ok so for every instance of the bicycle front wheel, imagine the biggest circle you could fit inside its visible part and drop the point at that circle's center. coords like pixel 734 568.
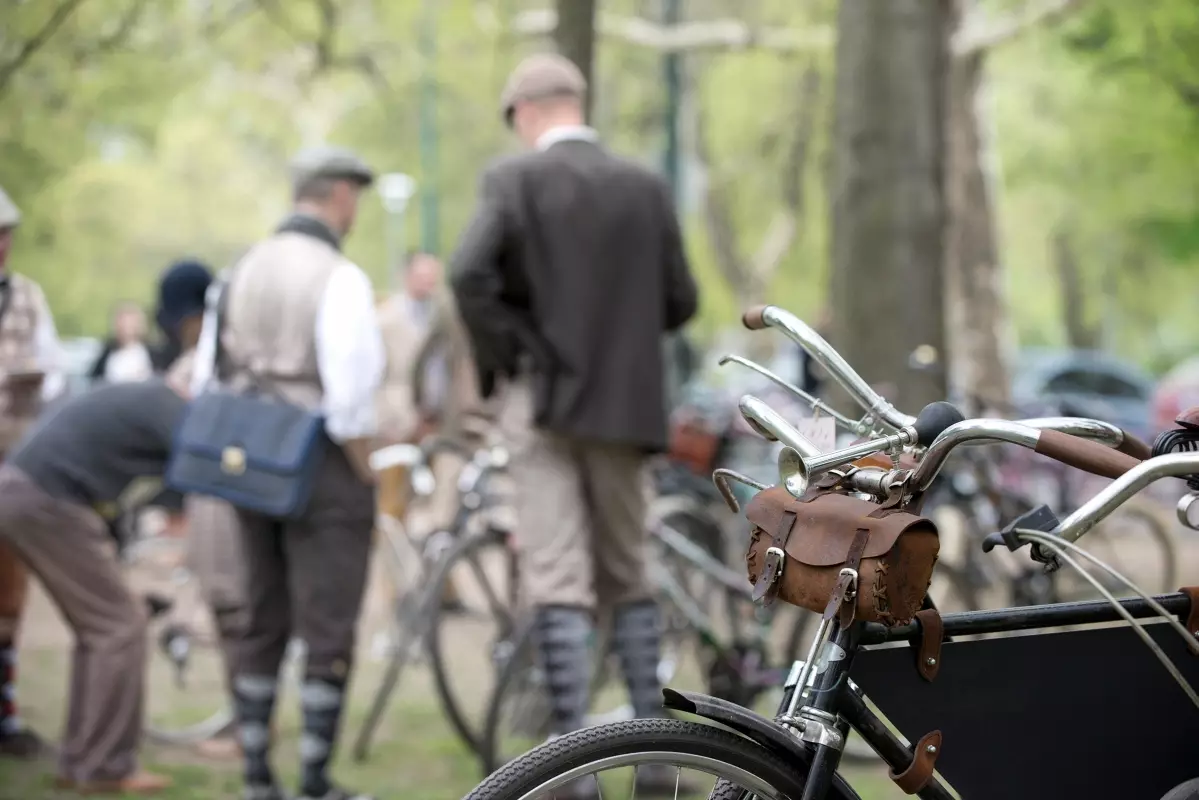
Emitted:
pixel 610 758
pixel 467 650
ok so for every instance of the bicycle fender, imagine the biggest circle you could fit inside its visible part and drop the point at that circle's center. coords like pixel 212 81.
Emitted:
pixel 765 732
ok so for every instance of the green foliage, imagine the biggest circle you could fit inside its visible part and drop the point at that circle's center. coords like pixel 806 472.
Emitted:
pixel 140 132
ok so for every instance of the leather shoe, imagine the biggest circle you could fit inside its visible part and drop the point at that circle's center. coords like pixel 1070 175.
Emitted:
pixel 139 782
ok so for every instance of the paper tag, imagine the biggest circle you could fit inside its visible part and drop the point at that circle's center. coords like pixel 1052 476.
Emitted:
pixel 820 431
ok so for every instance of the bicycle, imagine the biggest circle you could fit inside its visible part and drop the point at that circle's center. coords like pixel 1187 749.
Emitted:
pixel 474 539
pixel 687 543
pixel 989 701
pixel 974 490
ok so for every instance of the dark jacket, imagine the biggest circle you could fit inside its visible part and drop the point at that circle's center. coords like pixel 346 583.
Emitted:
pixel 574 263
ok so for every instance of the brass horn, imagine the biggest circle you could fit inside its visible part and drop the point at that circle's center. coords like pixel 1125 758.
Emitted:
pixel 791 464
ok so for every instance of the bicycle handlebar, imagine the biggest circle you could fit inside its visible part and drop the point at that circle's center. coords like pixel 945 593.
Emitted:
pixel 768 316
pixel 823 354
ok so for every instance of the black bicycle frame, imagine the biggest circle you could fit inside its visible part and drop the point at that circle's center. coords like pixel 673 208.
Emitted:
pixel 838 702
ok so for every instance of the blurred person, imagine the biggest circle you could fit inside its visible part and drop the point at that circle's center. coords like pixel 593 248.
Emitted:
pixel 299 315
pixel 405 320
pixel 81 457
pixel 213 545
pixel 30 376
pixel 567 278
pixel 125 356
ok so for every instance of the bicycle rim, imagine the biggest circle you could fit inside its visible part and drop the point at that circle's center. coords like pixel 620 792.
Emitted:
pixel 498 645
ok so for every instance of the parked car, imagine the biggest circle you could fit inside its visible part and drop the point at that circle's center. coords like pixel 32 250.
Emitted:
pixel 1085 383
pixel 1176 392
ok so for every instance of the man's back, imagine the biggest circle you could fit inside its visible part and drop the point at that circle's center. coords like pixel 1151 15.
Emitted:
pixel 597 263
pixel 90 448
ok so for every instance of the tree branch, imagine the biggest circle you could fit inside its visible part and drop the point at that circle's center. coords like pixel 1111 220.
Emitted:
pixel 117 38
pixel 62 12
pixel 718 34
pixel 977 34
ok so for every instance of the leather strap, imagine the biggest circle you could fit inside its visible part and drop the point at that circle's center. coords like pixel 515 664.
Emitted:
pixel 772 568
pixel 1192 620
pixel 928 653
pixel 845 607
pixel 924 761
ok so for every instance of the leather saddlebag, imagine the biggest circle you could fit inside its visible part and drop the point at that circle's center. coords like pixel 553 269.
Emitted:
pixel 799 547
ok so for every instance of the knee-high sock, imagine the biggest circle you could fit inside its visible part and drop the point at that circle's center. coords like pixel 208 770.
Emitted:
pixel 563 636
pixel 254 702
pixel 637 639
pixel 321 700
pixel 10 722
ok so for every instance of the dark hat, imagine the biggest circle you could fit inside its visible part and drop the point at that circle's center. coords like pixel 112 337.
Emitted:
pixel 181 293
pixel 10 215
pixel 540 76
pixel 328 161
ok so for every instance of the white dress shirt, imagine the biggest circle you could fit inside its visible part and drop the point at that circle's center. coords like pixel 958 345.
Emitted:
pixel 349 352
pixel 48 350
pixel 567 133
pixel 128 364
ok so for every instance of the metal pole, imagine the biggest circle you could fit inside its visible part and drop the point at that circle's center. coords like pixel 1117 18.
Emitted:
pixel 395 189
pixel 672 75
pixel 430 197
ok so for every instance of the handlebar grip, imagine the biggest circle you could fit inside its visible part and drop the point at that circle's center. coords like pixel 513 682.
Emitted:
pixel 754 318
pixel 1084 454
pixel 1134 447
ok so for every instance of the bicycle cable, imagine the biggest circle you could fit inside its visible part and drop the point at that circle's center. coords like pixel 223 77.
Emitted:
pixel 1060 546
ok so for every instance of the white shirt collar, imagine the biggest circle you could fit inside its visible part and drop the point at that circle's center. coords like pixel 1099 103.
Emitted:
pixel 566 133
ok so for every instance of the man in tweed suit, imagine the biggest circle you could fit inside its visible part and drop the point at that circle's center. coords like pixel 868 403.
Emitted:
pixel 30 374
pixel 567 278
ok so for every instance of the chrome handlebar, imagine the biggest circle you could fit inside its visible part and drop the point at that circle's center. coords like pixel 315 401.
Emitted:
pixel 875 405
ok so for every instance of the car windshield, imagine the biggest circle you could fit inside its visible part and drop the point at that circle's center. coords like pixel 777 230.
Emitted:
pixel 1094 382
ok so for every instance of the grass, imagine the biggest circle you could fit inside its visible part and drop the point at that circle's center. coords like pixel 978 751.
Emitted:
pixel 415 755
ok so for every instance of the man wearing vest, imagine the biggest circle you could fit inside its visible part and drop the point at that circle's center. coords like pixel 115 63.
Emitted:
pixel 300 317
pixel 30 374
pixel 567 278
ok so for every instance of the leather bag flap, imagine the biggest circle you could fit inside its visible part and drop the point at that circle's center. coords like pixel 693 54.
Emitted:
pixel 825 525
pixel 275 436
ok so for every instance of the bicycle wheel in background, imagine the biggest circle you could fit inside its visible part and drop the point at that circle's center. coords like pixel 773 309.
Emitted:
pixel 186 696
pixel 467 649
pixel 1138 541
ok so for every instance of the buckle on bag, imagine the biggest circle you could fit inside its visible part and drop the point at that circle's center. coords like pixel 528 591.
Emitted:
pixel 772 570
pixel 233 461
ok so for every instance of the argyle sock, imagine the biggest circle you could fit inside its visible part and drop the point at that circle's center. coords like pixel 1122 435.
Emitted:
pixel 321 702
pixel 637 639
pixel 254 702
pixel 10 722
pixel 563 636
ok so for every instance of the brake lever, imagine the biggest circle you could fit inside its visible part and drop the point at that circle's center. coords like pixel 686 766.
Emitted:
pixel 1040 519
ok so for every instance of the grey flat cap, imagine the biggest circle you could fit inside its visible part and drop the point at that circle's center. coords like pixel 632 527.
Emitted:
pixel 540 76
pixel 10 215
pixel 328 161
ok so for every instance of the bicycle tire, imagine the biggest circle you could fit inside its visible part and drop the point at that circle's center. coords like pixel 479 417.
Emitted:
pixel 434 641
pixel 649 736
pixel 1159 531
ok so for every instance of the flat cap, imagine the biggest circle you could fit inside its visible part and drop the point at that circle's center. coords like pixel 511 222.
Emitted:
pixel 328 161
pixel 10 215
pixel 540 76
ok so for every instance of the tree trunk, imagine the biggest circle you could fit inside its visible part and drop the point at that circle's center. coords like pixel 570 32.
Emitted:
pixel 1079 332
pixel 980 349
pixel 575 38
pixel 888 194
